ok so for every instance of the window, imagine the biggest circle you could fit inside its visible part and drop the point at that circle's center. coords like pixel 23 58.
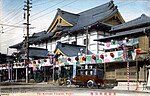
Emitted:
pixel 74 43
pixel 82 73
pixel 84 41
pixel 60 20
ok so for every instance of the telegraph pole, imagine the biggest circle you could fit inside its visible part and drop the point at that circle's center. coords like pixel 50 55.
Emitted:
pixel 128 67
pixel 26 8
pixel 87 40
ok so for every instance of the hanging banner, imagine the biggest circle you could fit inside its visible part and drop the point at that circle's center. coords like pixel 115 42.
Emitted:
pixel 148 81
pixel 34 66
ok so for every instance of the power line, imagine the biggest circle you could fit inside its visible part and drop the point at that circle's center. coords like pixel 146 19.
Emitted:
pixel 40 4
pixel 48 8
pixel 123 4
pixel 13 15
pixel 8 4
pixel 16 26
pixel 9 39
pixel 17 14
pixel 39 16
pixel 36 1
pixel 15 23
pixel 21 21
pixel 12 11
pixel 53 10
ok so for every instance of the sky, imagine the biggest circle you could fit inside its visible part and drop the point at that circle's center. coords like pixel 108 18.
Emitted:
pixel 43 12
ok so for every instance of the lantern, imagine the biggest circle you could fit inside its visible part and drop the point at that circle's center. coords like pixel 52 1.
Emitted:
pixel 17 64
pixel 56 59
pixel 69 59
pixel 5 65
pixel 23 64
pixel 29 62
pixel 112 54
pixel 76 58
pixel 45 60
pixel 138 51
pixel 93 57
pixel 102 56
pixel 83 58
pixel 34 62
pixel 39 61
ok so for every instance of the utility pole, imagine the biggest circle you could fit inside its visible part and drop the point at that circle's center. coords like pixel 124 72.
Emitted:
pixel 26 8
pixel 126 59
pixel 87 40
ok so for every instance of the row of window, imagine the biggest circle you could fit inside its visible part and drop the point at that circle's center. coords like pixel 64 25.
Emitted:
pixel 75 42
pixel 131 48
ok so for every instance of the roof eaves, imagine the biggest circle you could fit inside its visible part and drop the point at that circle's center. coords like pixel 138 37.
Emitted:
pixel 124 34
pixel 53 21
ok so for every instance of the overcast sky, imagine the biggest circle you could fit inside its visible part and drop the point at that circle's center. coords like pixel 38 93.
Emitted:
pixel 43 12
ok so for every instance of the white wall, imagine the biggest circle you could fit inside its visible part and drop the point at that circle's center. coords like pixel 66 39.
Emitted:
pixel 80 39
pixel 53 46
pixel 92 43
pixel 93 46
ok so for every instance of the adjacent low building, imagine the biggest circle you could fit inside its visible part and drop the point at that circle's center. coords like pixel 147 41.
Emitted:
pixel 126 51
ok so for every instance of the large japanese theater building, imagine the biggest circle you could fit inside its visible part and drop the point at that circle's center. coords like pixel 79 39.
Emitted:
pixel 70 30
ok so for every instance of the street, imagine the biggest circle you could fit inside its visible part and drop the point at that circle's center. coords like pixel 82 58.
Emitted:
pixel 56 90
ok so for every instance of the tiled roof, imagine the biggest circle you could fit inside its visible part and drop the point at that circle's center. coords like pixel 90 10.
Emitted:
pixel 89 17
pixel 38 52
pixel 41 37
pixel 17 46
pixel 34 39
pixel 70 49
pixel 143 19
pixel 70 17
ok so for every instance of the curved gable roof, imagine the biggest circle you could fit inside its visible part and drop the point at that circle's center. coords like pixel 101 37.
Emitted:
pixel 69 17
pixel 88 17
pixel 95 15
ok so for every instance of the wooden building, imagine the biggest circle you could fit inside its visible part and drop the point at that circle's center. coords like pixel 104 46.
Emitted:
pixel 135 36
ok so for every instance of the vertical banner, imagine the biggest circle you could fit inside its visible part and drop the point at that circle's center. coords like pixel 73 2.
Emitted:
pixel 51 59
pixel 34 66
pixel 74 69
pixel 148 81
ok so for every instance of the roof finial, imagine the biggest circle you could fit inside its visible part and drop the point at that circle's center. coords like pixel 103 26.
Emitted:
pixel 58 9
pixel 143 15
pixel 111 1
